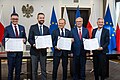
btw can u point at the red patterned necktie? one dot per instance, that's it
(16, 31)
(80, 34)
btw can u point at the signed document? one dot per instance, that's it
(64, 43)
(91, 44)
(43, 41)
(14, 44)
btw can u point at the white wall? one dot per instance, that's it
(46, 7)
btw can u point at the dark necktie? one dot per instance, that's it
(41, 30)
(80, 34)
(16, 31)
(62, 34)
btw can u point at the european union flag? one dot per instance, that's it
(109, 25)
(77, 13)
(53, 22)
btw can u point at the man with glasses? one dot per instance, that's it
(14, 30)
(79, 54)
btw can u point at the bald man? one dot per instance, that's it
(79, 54)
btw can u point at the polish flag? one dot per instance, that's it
(1, 27)
(90, 23)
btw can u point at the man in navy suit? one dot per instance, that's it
(99, 55)
(59, 53)
(37, 55)
(79, 54)
(14, 30)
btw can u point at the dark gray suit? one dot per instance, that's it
(37, 54)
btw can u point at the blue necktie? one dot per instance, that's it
(41, 30)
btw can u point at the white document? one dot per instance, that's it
(91, 44)
(43, 41)
(64, 43)
(14, 44)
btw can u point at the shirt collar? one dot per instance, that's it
(61, 30)
(100, 29)
(40, 25)
(15, 25)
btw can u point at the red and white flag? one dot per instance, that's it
(65, 16)
(1, 27)
(118, 34)
(118, 38)
(90, 23)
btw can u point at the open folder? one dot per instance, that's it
(14, 44)
(43, 41)
(91, 44)
(64, 43)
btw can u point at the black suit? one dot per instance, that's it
(99, 57)
(60, 54)
(37, 54)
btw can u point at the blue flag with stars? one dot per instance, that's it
(77, 14)
(53, 22)
(109, 26)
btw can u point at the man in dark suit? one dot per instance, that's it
(99, 55)
(79, 54)
(59, 53)
(38, 54)
(14, 30)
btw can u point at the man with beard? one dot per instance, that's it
(38, 54)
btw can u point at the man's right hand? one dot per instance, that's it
(57, 48)
(34, 45)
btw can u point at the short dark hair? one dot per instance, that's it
(14, 14)
(40, 14)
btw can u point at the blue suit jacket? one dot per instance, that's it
(9, 33)
(34, 31)
(104, 41)
(55, 35)
(77, 46)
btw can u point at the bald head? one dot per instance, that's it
(79, 22)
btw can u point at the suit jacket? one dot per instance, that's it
(77, 46)
(104, 40)
(34, 31)
(9, 33)
(55, 35)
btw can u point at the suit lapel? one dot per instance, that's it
(12, 31)
(37, 29)
(94, 33)
(58, 32)
(43, 30)
(76, 32)
(101, 37)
